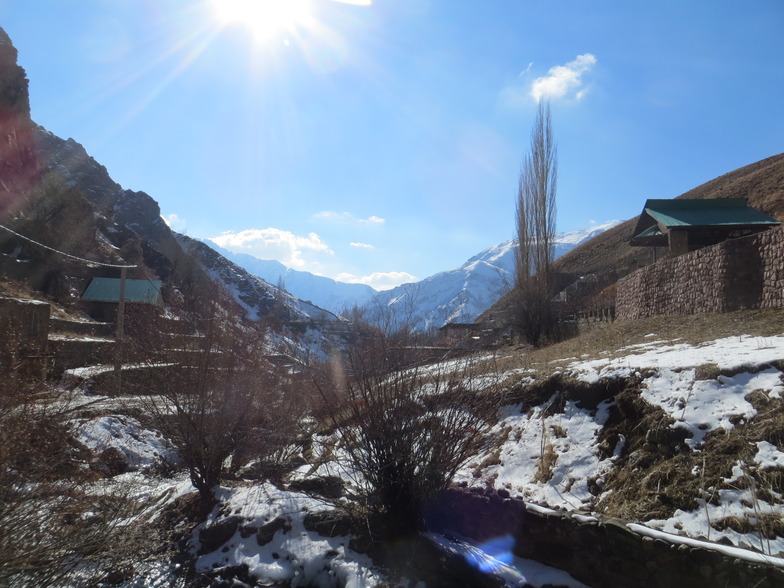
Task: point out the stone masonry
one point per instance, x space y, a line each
741 273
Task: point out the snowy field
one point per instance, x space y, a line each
699 406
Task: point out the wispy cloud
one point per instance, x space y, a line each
563 80
296 251
362 245
378 280
175 222
347 217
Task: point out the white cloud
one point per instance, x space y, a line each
378 280
347 217
175 222
362 245
295 251
562 80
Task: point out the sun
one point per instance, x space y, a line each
265 19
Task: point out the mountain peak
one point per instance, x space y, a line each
464 293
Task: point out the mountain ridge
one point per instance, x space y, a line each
55 194
462 294
324 292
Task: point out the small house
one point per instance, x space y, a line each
464 335
683 225
101 299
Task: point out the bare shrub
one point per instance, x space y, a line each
221 401
56 527
404 429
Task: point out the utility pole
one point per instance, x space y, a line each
120 328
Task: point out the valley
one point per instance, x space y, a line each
222 430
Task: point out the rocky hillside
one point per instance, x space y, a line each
54 197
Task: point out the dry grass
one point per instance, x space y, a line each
654 476
611 341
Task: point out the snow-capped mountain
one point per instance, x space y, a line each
323 292
462 294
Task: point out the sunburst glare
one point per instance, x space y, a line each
266 19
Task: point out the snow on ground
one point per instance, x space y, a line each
82 338
496 558
729 353
141 447
566 444
305 558
768 456
743 500
569 439
83 373
563 445
294 554
701 406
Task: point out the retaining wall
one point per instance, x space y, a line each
599 553
741 273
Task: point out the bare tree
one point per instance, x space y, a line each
404 431
221 400
535 215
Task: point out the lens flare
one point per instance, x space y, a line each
265 19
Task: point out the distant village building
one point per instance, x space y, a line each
468 335
101 299
683 225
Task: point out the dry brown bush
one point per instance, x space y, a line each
403 428
222 401
56 527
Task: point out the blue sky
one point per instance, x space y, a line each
379 141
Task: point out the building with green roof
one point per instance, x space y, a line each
102 296
683 225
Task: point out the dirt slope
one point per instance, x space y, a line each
762 183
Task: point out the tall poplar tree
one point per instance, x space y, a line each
536 213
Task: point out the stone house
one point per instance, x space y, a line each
684 225
101 298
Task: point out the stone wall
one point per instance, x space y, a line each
73 353
91 329
733 275
599 553
24 327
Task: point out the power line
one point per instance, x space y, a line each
64 254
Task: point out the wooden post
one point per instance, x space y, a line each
120 329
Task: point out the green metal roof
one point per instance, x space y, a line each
108 290
652 231
706 213
720 213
